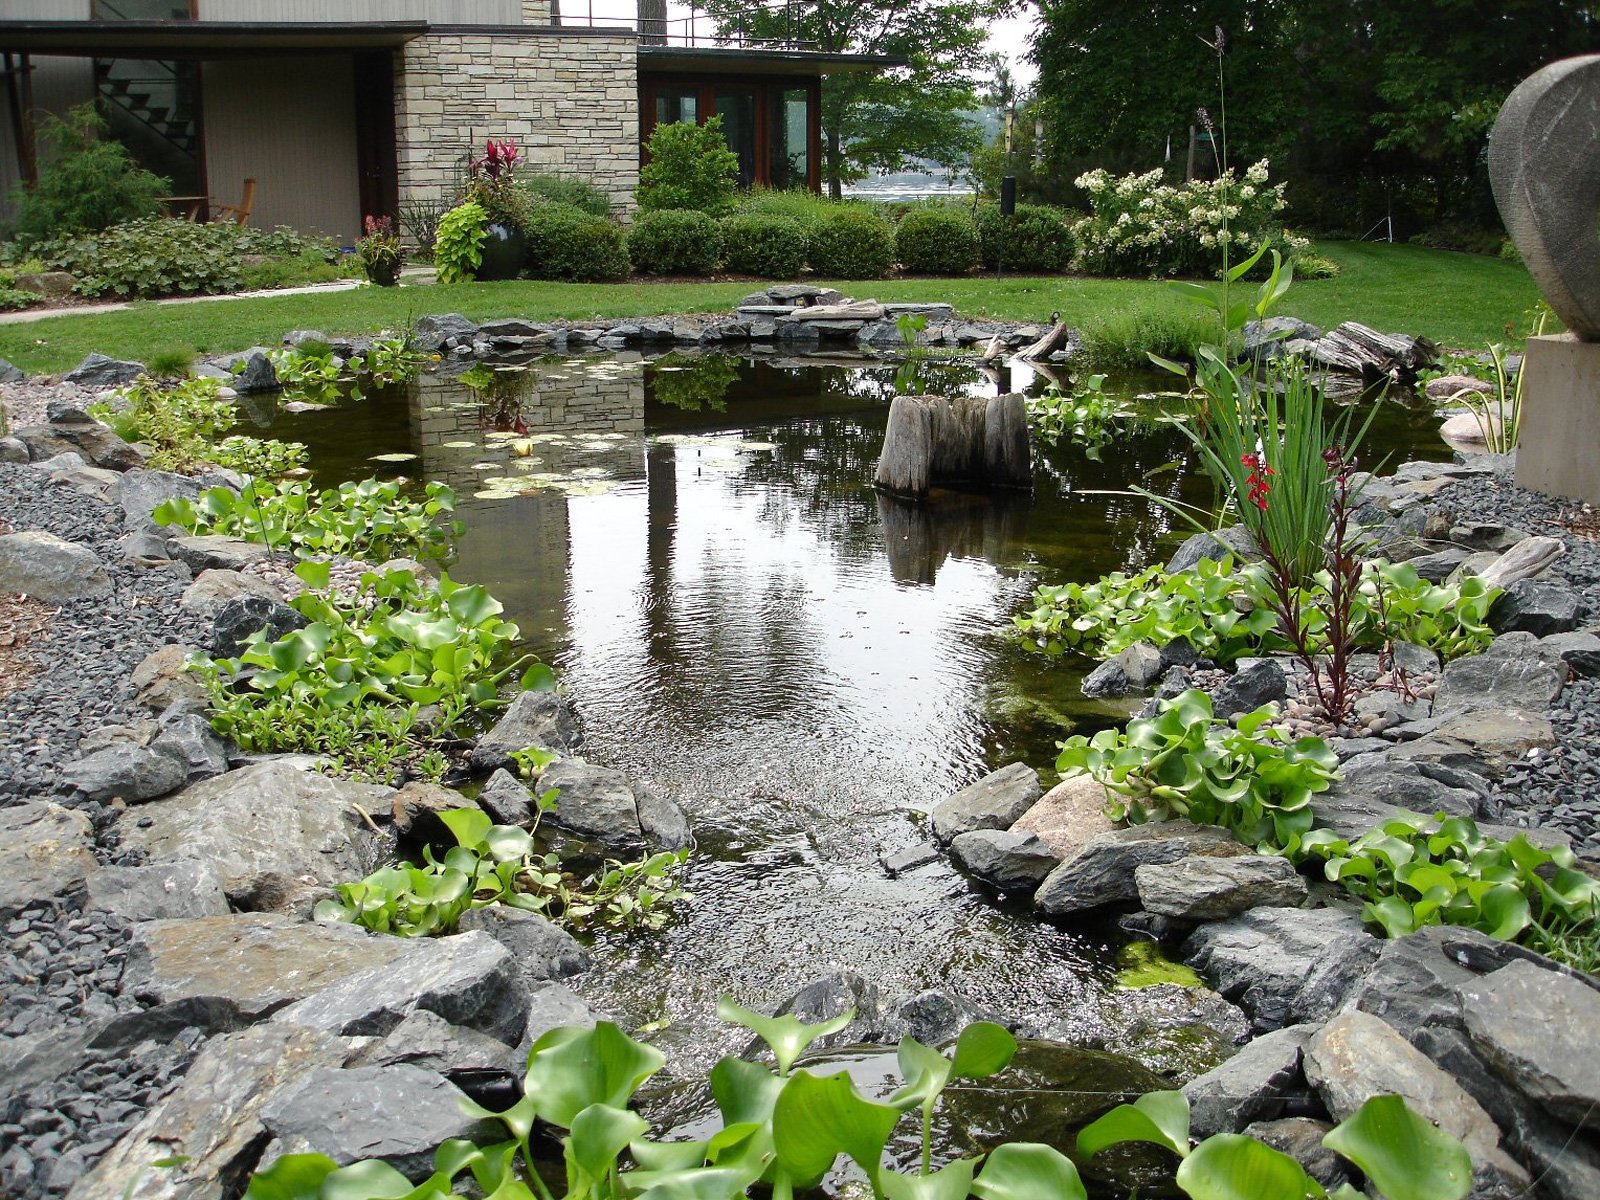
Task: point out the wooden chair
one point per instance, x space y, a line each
238 213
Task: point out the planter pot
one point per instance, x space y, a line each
505 251
384 274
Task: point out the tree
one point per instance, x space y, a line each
884 121
690 167
87 180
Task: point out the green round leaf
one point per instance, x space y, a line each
1404 1154
1231 1166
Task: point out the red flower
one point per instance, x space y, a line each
1256 484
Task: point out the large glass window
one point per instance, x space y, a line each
737 108
677 104
139 10
789 138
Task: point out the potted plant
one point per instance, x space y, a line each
505 249
380 252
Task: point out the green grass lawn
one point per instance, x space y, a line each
1459 300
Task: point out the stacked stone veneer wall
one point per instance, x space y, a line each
570 100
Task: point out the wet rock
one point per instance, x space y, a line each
1301 1139
214 588
209 551
1234 540
397 1113
427 1040
1207 888
1496 682
239 619
540 719
415 809
1284 965
909 859
831 996
1251 1086
469 979
1250 687
596 803
542 950
994 802
159 681
1537 608
664 824
271 832
97 372
224 973
214 1115
45 851
506 800
1068 815
1416 979
1132 670
1103 871
173 891
1012 862
1535 1029
50 569
131 772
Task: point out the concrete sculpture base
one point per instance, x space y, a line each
1559 449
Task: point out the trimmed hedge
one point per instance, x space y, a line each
569 244
764 244
937 241
1038 238
852 243
675 241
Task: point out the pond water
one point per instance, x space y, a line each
806 666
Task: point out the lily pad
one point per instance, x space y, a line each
460 445
392 458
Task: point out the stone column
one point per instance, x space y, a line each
1559 450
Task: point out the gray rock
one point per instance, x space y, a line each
10 373
1535 1029
1012 862
160 681
540 719
1251 1086
214 588
1377 787
435 332
506 800
542 951
1284 964
189 738
1494 682
840 991
202 552
1437 567
553 1006
237 620
271 832
97 444
97 371
173 891
1250 687
1234 540
253 373
596 803
910 858
224 973
1132 670
1487 535
1537 608
994 802
397 1113
50 569
664 824
1103 871
214 1115
469 979
1467 751
1207 888
45 851
13 450
91 481
1579 650
1526 560
427 1040
415 810
131 772
141 492
1301 1139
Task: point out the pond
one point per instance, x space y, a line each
808 667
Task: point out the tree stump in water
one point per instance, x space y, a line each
975 441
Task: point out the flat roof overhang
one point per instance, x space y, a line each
200 39
720 60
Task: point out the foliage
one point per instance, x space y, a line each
15 299
1499 413
937 241
1223 612
852 243
380 251
349 683
797 205
421 220
317 375
176 362
393 359
367 520
693 384
675 241
491 184
1400 1152
1087 417
540 188
87 180
498 864
568 243
688 166
1036 238
458 242
182 424
768 245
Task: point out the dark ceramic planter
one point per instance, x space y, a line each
505 251
384 274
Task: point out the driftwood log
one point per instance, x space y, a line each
1047 345
974 441
1357 350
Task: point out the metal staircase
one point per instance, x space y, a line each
155 95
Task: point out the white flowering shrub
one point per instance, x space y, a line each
1139 225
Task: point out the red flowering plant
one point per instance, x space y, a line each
492 183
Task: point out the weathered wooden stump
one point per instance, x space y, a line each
970 441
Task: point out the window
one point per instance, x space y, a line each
789 138
677 104
737 108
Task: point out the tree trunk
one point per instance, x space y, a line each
831 164
652 22
972 440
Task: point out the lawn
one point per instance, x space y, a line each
1459 300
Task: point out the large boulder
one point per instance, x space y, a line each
98 371
141 492
506 799
1012 862
237 620
212 551
271 832
540 719
45 851
216 587
1247 689
542 951
1471 748
1376 787
994 802
416 808
440 331
1533 606
595 803
1494 682
425 1039
50 569
1253 1085
1207 888
1103 871
128 771
1068 815
180 890
189 738
1416 979
160 681
1132 670
1234 540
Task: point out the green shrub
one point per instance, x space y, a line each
1314 266
765 244
12 299
675 241
937 241
1124 339
808 208
86 182
560 189
568 243
458 242
1037 238
852 243
690 167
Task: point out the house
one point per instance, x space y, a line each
339 108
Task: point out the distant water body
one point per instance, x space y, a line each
891 192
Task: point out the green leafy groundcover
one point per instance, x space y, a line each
784 1130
